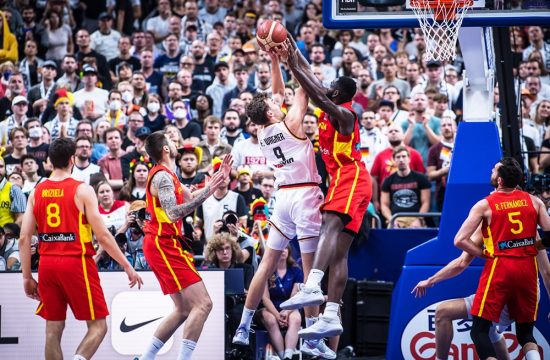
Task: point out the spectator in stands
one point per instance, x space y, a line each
232 132
135 123
9 250
421 129
19 141
280 287
123 56
14 202
85 51
267 187
190 130
534 87
247 152
36 148
160 25
373 140
134 188
191 17
63 124
110 162
16 87
19 108
441 104
105 39
391 93
155 119
113 212
45 89
188 164
414 76
30 64
242 85
70 79
29 166
9 51
153 78
435 80
212 142
261 77
83 167
16 177
536 42
245 186
138 153
439 157
91 100
174 134
140 89
389 69
168 63
404 191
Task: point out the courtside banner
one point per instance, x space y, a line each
134 317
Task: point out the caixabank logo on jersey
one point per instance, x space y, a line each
418 339
133 317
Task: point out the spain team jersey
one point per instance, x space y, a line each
339 150
157 222
513 226
62 228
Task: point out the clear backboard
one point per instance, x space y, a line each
371 14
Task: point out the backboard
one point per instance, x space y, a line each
371 14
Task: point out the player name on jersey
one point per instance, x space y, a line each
272 139
511 204
52 193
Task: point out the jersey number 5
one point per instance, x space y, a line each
517 222
52 215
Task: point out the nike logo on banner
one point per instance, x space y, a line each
127 328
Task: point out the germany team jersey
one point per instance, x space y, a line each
157 222
339 150
62 228
513 226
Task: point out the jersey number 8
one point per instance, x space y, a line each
52 215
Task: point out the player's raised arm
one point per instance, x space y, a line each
340 117
277 83
86 195
463 237
28 228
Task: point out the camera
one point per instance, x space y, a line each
228 218
538 183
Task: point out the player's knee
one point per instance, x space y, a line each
206 306
99 328
524 333
442 313
494 335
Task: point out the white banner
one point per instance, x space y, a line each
134 317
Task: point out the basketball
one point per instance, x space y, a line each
270 34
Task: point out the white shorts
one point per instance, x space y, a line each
504 321
296 214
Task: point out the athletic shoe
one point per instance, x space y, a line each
324 327
241 336
304 297
317 349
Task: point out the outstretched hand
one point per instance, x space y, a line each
227 163
222 173
420 288
134 277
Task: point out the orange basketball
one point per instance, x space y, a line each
270 34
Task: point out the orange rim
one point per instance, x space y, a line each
451 5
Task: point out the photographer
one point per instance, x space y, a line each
131 235
229 223
9 249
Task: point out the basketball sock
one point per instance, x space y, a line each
78 357
314 278
288 354
152 350
532 355
246 318
311 320
281 355
331 310
186 350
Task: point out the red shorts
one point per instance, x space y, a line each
172 266
71 280
349 194
511 281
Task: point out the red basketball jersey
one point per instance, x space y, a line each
513 227
62 228
338 150
157 222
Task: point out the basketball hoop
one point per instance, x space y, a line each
440 21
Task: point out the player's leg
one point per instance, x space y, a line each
480 337
524 332
93 338
445 313
54 331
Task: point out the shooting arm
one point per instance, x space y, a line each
164 185
277 83
295 116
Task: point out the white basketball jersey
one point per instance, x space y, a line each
292 158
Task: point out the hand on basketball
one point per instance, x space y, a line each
292 56
280 52
31 288
420 288
134 277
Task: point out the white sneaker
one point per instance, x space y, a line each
324 327
304 297
317 348
324 351
241 336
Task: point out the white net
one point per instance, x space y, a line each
440 21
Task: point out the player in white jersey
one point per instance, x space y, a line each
296 214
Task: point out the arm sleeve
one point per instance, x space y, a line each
423 182
386 184
432 155
18 200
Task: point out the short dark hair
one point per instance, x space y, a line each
154 144
60 152
400 149
347 87
510 172
257 109
18 129
110 130
27 157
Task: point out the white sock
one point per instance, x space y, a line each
314 278
288 354
246 318
532 355
152 350
186 350
281 355
78 357
331 310
311 320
